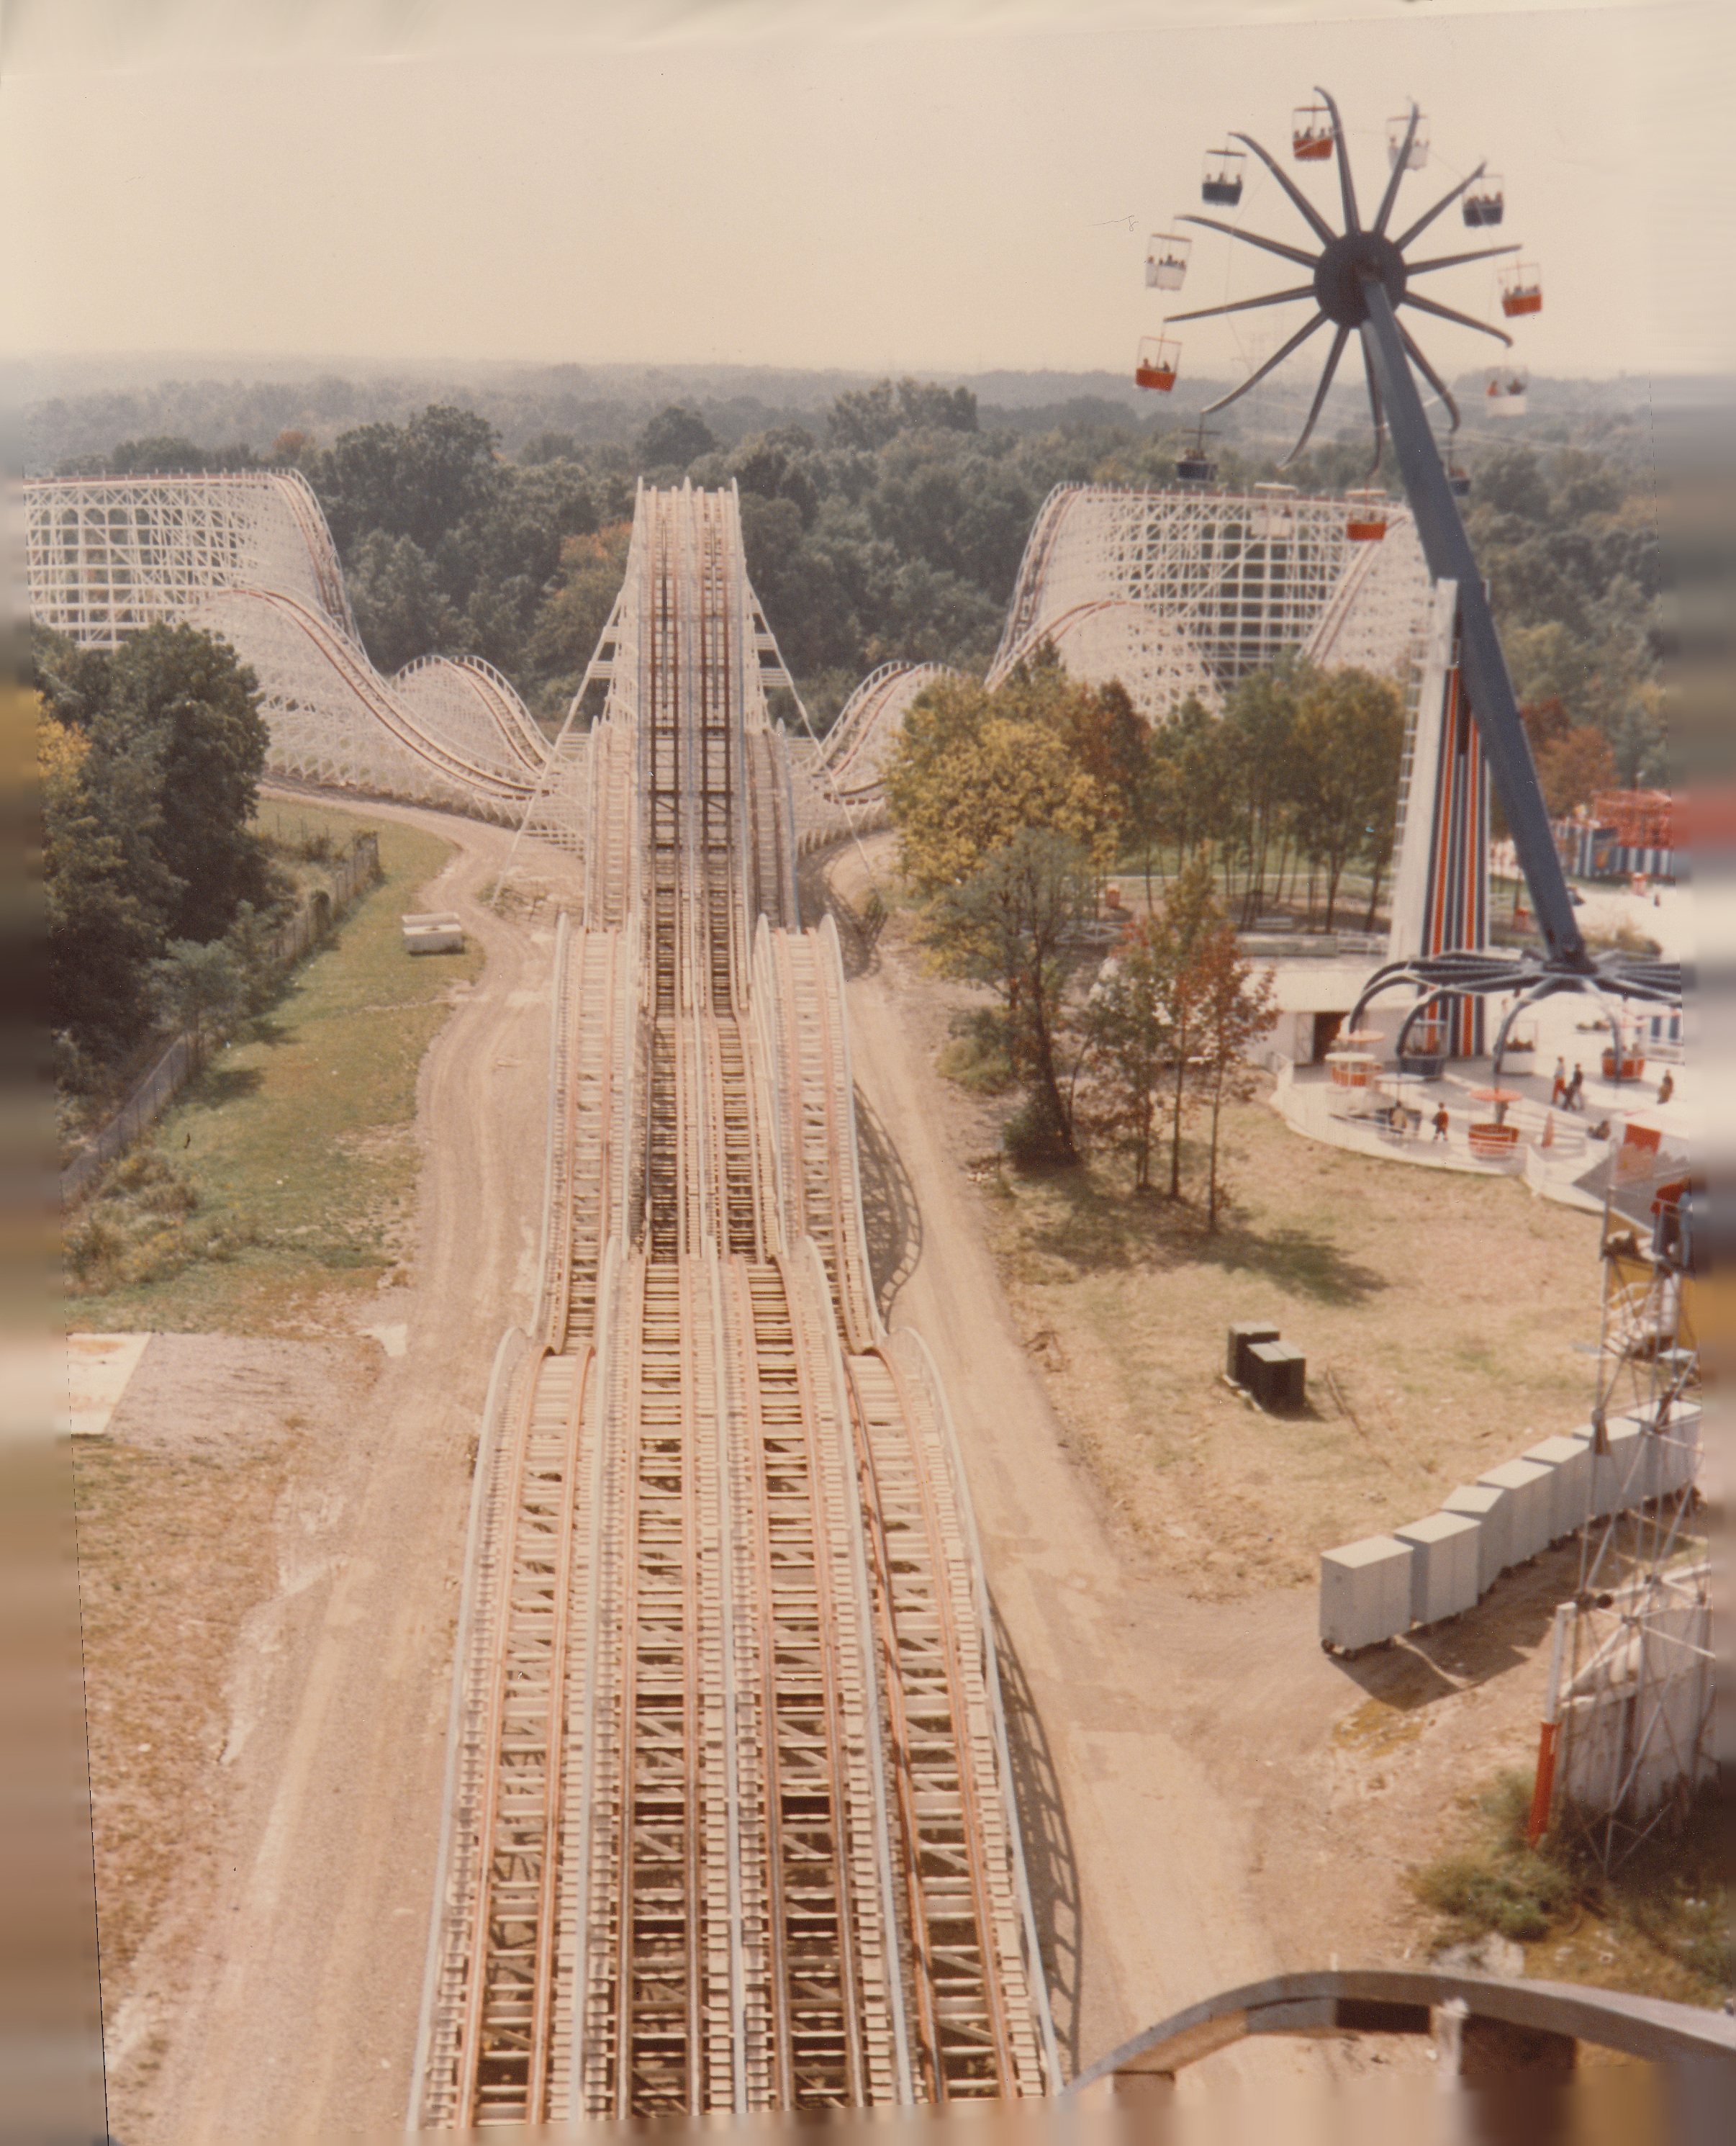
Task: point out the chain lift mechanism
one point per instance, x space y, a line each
1359 279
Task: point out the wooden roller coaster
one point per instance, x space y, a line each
730 1821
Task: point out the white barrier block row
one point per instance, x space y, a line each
1444 1569
1486 1504
1569 1461
1364 1592
1531 1504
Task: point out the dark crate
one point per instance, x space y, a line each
1277 1374
1242 1338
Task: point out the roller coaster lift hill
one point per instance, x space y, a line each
1360 278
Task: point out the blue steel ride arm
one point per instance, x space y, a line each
1448 550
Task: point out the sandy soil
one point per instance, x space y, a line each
1210 1798
276 1996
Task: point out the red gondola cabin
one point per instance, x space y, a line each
1156 366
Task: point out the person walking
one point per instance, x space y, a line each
1666 1086
1441 1123
1559 1090
1575 1087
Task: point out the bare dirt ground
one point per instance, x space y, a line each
1208 1798
265 1868
1211 1797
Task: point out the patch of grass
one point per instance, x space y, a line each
1446 1309
1658 1925
296 1144
976 1057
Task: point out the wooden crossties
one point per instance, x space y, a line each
731 1828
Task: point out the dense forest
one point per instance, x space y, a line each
889 522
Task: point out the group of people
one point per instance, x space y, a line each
1568 1095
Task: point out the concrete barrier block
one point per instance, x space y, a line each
1487 1506
1444 1568
1531 1492
1571 1488
1365 1592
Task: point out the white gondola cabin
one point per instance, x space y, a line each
1505 390
1521 289
1274 519
1484 203
1311 133
1156 364
1221 184
1396 130
1366 522
1459 479
1166 261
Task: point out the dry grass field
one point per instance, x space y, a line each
1444 1319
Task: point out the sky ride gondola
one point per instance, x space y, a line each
1366 522
1156 364
1521 289
1192 465
1485 204
1505 390
1311 133
1396 130
1166 261
1459 477
1222 184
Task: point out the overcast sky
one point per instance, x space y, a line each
919 187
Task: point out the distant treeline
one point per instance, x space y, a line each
885 522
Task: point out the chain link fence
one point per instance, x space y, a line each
185 1053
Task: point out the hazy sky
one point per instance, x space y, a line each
914 188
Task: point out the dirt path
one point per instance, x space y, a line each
296 2015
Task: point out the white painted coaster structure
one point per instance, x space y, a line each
248 555
1187 591
730 1822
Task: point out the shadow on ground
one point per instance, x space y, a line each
890 1212
1092 1228
1050 1865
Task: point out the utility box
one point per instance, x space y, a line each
1571 1488
1443 1566
1530 1505
1277 1374
1364 1593
1242 1338
1487 1506
433 931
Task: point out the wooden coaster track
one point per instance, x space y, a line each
729 1823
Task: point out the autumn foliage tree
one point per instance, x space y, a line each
1234 1009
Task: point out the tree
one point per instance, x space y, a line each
971 769
199 988
1009 925
571 621
1349 733
1234 1012
1129 1036
182 698
675 437
1257 743
1572 768
1189 916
